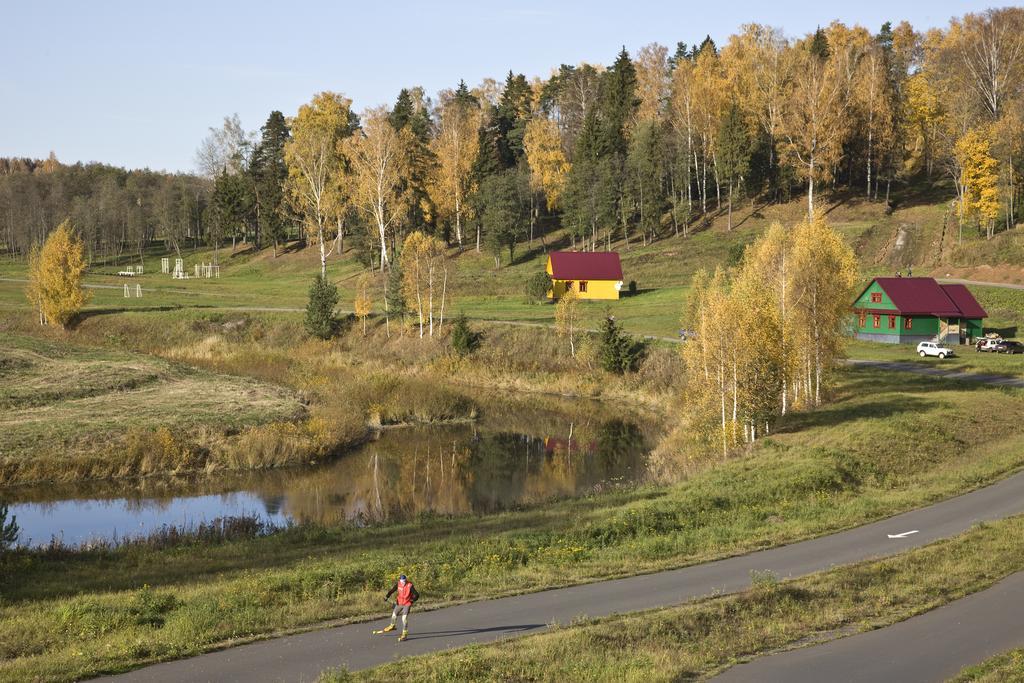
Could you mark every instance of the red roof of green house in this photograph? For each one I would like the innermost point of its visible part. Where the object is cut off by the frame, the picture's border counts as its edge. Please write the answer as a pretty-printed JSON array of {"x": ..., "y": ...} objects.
[
  {"x": 585, "y": 265},
  {"x": 965, "y": 301},
  {"x": 925, "y": 296}
]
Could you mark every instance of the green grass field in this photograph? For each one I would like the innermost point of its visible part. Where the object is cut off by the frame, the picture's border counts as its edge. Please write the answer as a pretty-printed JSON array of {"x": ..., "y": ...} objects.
[{"x": 72, "y": 615}]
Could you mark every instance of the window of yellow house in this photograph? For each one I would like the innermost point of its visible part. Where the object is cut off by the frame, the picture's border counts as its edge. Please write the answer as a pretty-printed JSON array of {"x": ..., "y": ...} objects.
[
  {"x": 568, "y": 285},
  {"x": 583, "y": 286}
]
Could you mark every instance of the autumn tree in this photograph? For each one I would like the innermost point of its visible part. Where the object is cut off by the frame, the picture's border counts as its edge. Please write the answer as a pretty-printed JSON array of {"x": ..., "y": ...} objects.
[
  {"x": 811, "y": 124},
  {"x": 425, "y": 275},
  {"x": 874, "y": 104},
  {"x": 567, "y": 318},
  {"x": 376, "y": 156},
  {"x": 978, "y": 184},
  {"x": 315, "y": 167},
  {"x": 653, "y": 78},
  {"x": 768, "y": 337},
  {"x": 455, "y": 145},
  {"x": 708, "y": 98},
  {"x": 682, "y": 122},
  {"x": 549, "y": 166},
  {"x": 55, "y": 277},
  {"x": 759, "y": 64},
  {"x": 824, "y": 272},
  {"x": 363, "y": 301}
]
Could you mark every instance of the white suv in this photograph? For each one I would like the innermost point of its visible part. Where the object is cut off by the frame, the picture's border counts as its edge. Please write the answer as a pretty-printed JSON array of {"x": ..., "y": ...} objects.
[{"x": 934, "y": 349}]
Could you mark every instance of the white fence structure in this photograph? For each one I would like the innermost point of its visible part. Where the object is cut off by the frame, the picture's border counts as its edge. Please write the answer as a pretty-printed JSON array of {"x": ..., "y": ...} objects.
[{"x": 165, "y": 265}]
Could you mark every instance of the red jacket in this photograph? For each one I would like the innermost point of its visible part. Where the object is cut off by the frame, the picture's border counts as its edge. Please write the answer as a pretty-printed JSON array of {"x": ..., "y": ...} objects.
[{"x": 404, "y": 595}]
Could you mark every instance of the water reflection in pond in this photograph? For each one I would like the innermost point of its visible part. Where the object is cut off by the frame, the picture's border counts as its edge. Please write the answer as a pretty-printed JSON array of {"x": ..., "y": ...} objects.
[{"x": 514, "y": 456}]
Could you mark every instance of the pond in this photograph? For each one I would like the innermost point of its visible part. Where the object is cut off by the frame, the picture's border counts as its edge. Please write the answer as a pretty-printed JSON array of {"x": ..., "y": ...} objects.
[{"x": 518, "y": 453}]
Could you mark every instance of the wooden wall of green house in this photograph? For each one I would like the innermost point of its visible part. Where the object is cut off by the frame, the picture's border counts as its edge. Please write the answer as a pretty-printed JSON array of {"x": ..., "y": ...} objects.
[
  {"x": 922, "y": 325},
  {"x": 865, "y": 299},
  {"x": 974, "y": 328}
]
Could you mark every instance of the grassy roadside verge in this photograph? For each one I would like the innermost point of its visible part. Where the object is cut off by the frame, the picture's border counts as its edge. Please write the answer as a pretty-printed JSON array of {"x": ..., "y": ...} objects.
[
  {"x": 889, "y": 442},
  {"x": 702, "y": 638},
  {"x": 1008, "y": 666}
]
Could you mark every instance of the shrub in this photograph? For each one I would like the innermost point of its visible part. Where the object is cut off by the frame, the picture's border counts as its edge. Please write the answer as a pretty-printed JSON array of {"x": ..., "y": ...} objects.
[
  {"x": 619, "y": 352},
  {"x": 465, "y": 340},
  {"x": 320, "y": 319},
  {"x": 537, "y": 287},
  {"x": 632, "y": 287}
]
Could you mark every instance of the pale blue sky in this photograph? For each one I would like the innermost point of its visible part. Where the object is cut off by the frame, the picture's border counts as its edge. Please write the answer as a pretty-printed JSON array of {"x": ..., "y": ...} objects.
[{"x": 138, "y": 83}]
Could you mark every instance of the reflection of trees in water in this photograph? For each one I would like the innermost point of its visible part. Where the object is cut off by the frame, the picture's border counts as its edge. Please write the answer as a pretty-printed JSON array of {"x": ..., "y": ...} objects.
[
  {"x": 272, "y": 504},
  {"x": 524, "y": 450}
]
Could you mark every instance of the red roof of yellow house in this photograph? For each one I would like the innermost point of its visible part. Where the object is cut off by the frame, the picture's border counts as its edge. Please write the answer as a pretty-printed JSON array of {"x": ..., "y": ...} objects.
[{"x": 585, "y": 265}]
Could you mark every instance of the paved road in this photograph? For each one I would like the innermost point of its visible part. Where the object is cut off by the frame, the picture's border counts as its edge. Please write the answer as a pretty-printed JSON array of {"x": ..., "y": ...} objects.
[
  {"x": 302, "y": 657},
  {"x": 985, "y": 378},
  {"x": 932, "y": 647}
]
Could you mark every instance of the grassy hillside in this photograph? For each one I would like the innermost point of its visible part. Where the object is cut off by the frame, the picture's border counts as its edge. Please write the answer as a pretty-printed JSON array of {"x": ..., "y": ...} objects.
[{"x": 662, "y": 270}]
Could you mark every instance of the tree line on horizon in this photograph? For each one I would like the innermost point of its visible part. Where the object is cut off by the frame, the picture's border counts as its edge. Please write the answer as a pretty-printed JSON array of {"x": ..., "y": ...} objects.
[{"x": 652, "y": 145}]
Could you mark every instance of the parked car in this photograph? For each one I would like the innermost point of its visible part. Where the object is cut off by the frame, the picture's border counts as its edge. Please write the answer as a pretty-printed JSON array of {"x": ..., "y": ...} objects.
[
  {"x": 934, "y": 349},
  {"x": 988, "y": 344},
  {"x": 1009, "y": 346}
]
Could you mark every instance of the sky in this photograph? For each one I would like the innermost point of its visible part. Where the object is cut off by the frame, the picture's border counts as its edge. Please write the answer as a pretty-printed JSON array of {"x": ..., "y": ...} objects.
[{"x": 138, "y": 84}]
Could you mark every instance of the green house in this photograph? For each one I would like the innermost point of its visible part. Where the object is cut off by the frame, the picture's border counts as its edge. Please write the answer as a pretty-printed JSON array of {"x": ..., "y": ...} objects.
[{"x": 908, "y": 310}]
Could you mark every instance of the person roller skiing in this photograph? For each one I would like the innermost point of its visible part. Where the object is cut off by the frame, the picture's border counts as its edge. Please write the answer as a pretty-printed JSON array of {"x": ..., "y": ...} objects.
[{"x": 405, "y": 597}]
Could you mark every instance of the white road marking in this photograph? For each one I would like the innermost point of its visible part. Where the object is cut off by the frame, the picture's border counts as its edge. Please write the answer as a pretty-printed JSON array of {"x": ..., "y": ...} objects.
[{"x": 903, "y": 535}]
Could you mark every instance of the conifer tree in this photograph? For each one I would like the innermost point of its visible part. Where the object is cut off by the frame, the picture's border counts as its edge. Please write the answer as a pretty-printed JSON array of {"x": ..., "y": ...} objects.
[
  {"x": 269, "y": 172},
  {"x": 733, "y": 151},
  {"x": 321, "y": 320}
]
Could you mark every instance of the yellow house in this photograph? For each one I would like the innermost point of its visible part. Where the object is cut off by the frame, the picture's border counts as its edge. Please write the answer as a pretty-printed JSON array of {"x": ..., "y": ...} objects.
[{"x": 592, "y": 274}]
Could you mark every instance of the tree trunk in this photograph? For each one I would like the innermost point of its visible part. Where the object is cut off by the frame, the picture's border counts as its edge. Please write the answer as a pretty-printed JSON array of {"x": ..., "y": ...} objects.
[{"x": 730, "y": 206}]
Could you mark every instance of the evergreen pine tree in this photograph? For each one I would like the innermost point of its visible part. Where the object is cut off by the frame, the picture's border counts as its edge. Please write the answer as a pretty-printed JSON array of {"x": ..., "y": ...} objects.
[
  {"x": 269, "y": 172},
  {"x": 619, "y": 353},
  {"x": 819, "y": 45},
  {"x": 395, "y": 298},
  {"x": 320, "y": 319},
  {"x": 733, "y": 151},
  {"x": 465, "y": 340}
]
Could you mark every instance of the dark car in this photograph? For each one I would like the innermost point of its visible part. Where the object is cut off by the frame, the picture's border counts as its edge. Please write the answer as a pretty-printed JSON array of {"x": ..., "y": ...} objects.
[{"x": 1007, "y": 346}]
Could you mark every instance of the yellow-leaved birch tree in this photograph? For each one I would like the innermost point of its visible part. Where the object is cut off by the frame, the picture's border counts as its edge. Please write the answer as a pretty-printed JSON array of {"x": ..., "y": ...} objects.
[
  {"x": 314, "y": 165},
  {"x": 455, "y": 145},
  {"x": 376, "y": 156},
  {"x": 55, "y": 277}
]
